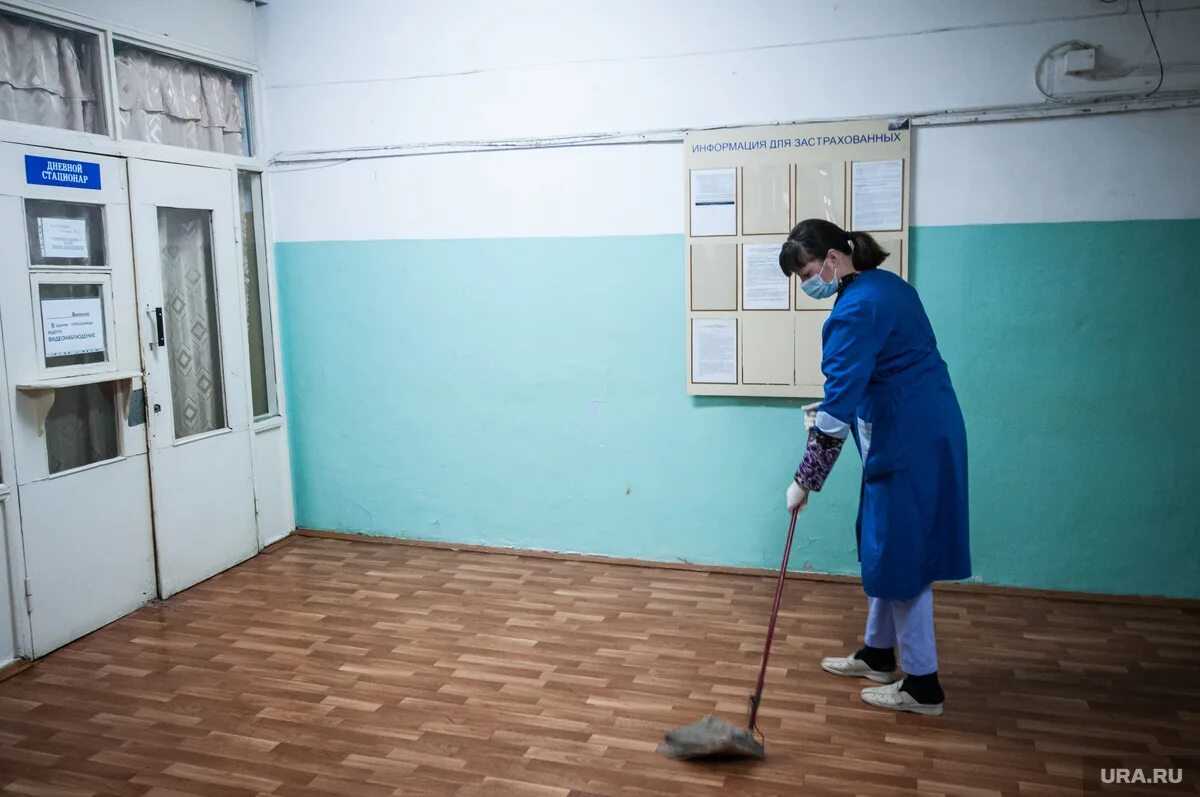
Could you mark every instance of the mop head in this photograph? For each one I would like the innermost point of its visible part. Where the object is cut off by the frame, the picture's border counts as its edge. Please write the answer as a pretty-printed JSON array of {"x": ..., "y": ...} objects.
[{"x": 710, "y": 737}]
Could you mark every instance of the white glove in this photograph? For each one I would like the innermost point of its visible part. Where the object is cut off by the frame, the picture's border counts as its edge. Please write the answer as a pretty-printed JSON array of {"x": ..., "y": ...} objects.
[{"x": 797, "y": 497}]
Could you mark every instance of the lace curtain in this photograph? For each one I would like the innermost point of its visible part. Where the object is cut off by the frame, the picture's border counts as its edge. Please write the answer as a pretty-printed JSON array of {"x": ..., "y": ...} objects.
[
  {"x": 48, "y": 76},
  {"x": 170, "y": 101},
  {"x": 193, "y": 340}
]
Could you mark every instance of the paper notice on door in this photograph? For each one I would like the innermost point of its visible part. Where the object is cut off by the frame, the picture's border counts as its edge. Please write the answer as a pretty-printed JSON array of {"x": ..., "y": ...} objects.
[
  {"x": 63, "y": 237},
  {"x": 714, "y": 202},
  {"x": 72, "y": 326},
  {"x": 714, "y": 350},
  {"x": 878, "y": 195},
  {"x": 764, "y": 286}
]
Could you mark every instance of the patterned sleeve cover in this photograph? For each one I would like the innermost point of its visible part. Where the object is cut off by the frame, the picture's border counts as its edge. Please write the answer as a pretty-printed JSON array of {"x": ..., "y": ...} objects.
[{"x": 819, "y": 455}]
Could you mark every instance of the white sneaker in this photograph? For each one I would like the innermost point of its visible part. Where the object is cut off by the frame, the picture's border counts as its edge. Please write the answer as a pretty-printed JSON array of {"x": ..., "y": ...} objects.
[
  {"x": 891, "y": 697},
  {"x": 857, "y": 668}
]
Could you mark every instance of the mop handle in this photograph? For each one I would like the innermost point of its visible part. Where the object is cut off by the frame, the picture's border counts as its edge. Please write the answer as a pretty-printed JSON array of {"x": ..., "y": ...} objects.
[{"x": 762, "y": 673}]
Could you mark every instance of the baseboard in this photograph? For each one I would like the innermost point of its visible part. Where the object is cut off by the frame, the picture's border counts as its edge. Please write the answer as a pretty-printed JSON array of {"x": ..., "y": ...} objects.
[
  {"x": 977, "y": 589},
  {"x": 279, "y": 543},
  {"x": 569, "y": 557},
  {"x": 13, "y": 667}
]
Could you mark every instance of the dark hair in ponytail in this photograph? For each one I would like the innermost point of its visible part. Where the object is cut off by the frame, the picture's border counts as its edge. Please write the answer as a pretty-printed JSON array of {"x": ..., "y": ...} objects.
[{"x": 812, "y": 239}]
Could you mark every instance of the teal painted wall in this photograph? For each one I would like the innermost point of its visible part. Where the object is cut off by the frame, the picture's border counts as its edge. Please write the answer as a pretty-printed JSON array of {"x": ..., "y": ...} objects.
[{"x": 530, "y": 393}]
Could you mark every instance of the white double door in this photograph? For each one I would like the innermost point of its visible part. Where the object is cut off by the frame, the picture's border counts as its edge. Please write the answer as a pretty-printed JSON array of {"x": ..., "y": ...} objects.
[
  {"x": 189, "y": 290},
  {"x": 129, "y": 472}
]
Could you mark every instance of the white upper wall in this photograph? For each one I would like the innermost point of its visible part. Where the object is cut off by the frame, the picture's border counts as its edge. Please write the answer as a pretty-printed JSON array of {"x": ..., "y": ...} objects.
[
  {"x": 375, "y": 73},
  {"x": 222, "y": 27},
  {"x": 371, "y": 72},
  {"x": 1105, "y": 168}
]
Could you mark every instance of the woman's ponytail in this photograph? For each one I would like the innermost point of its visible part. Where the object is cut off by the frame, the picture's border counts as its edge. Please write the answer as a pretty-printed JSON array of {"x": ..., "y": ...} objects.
[{"x": 866, "y": 253}]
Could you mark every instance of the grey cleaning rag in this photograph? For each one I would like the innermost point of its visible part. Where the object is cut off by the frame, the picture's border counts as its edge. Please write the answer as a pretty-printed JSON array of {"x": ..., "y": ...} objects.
[{"x": 710, "y": 736}]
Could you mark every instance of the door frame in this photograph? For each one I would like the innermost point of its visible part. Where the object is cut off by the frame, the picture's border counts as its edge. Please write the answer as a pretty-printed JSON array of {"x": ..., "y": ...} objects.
[
  {"x": 10, "y": 523},
  {"x": 112, "y": 145},
  {"x": 279, "y": 420},
  {"x": 269, "y": 464}
]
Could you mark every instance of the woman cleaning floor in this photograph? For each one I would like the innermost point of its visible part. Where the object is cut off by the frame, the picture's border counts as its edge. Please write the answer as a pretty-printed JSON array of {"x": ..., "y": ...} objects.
[{"x": 887, "y": 385}]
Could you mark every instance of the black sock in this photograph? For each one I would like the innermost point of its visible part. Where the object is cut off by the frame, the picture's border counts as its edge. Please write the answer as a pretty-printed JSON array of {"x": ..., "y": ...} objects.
[
  {"x": 923, "y": 688},
  {"x": 878, "y": 659}
]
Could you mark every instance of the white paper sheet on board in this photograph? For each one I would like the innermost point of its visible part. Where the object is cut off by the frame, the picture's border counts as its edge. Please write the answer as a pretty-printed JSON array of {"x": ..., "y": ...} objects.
[
  {"x": 63, "y": 237},
  {"x": 878, "y": 196},
  {"x": 714, "y": 202},
  {"x": 764, "y": 287},
  {"x": 714, "y": 350},
  {"x": 72, "y": 326}
]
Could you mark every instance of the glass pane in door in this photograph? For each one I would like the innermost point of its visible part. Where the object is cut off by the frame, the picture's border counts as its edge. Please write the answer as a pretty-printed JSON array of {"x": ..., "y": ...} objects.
[
  {"x": 193, "y": 344},
  {"x": 81, "y": 428},
  {"x": 64, "y": 233},
  {"x": 258, "y": 315}
]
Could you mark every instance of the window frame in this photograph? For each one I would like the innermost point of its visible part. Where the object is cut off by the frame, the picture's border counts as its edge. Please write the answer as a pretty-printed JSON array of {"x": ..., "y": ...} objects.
[
  {"x": 111, "y": 143},
  {"x": 104, "y": 48},
  {"x": 183, "y": 55},
  {"x": 105, "y": 267},
  {"x": 60, "y": 276}
]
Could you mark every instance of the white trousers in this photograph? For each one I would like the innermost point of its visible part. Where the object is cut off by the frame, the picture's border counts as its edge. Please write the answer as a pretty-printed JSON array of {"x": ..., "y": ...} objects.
[{"x": 908, "y": 624}]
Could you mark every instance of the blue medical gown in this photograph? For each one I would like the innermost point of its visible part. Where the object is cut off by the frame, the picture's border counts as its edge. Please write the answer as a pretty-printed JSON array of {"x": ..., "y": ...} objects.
[{"x": 885, "y": 379}]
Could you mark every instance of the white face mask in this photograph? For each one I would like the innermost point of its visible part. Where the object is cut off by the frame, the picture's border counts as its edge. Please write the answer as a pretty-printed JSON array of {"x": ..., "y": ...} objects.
[{"x": 817, "y": 288}]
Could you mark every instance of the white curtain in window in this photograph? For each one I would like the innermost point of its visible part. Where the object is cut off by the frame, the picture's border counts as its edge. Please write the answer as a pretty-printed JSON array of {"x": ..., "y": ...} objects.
[
  {"x": 47, "y": 77},
  {"x": 170, "y": 101}
]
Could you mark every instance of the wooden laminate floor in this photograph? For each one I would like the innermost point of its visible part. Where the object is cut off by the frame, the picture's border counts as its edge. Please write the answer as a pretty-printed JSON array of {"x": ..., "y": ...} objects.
[{"x": 348, "y": 668}]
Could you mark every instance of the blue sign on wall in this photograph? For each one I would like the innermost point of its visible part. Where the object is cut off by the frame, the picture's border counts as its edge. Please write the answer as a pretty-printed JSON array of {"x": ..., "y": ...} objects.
[{"x": 62, "y": 173}]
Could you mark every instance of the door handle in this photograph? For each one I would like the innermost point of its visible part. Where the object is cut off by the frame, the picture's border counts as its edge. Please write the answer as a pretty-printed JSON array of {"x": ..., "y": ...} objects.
[
  {"x": 153, "y": 337},
  {"x": 160, "y": 327}
]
